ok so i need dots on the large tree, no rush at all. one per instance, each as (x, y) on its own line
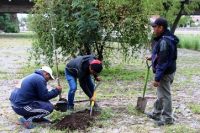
(88, 26)
(9, 23)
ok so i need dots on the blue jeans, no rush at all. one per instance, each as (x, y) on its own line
(86, 84)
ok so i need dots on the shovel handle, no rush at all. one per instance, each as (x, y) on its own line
(92, 102)
(146, 78)
(58, 82)
(55, 52)
(82, 101)
(148, 66)
(93, 98)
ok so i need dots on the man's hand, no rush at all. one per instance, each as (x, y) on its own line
(156, 84)
(97, 78)
(148, 58)
(93, 98)
(59, 88)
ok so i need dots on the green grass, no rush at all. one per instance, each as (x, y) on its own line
(189, 42)
(17, 35)
(106, 113)
(104, 119)
(195, 108)
(121, 73)
(179, 129)
(57, 115)
(28, 69)
(133, 111)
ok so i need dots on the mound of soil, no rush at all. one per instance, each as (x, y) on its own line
(79, 120)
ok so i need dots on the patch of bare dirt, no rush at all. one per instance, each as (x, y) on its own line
(79, 120)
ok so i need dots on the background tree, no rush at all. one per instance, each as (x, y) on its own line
(171, 8)
(185, 21)
(9, 23)
(88, 26)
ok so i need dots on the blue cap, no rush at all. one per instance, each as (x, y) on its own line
(160, 22)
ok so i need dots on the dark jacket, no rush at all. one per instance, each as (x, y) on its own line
(33, 88)
(164, 54)
(79, 67)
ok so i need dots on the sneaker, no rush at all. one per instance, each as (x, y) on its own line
(26, 123)
(153, 116)
(42, 120)
(164, 122)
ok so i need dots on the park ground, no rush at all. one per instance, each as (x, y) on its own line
(117, 95)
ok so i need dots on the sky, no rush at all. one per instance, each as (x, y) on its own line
(21, 15)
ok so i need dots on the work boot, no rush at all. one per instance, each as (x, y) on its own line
(153, 116)
(164, 122)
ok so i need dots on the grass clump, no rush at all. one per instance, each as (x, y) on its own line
(57, 115)
(179, 129)
(132, 110)
(106, 114)
(195, 108)
(120, 73)
(17, 35)
(28, 69)
(189, 42)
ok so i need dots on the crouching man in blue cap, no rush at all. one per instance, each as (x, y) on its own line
(30, 98)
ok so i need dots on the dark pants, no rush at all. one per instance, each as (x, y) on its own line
(35, 110)
(86, 84)
(163, 104)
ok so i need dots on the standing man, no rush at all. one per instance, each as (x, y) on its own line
(81, 68)
(163, 58)
(31, 98)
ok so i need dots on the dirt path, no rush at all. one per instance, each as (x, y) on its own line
(185, 91)
(12, 58)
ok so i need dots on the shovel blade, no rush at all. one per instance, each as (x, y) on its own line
(91, 107)
(141, 104)
(61, 105)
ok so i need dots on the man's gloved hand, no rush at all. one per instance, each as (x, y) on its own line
(93, 98)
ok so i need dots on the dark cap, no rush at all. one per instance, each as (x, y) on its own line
(160, 22)
(96, 66)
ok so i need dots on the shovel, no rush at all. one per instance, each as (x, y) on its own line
(142, 101)
(93, 98)
(61, 105)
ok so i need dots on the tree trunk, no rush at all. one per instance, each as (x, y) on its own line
(173, 28)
